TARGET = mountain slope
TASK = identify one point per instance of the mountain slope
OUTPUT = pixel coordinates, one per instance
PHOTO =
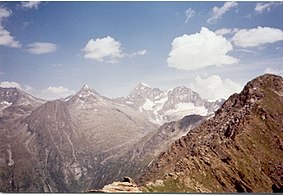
(15, 105)
(67, 145)
(239, 149)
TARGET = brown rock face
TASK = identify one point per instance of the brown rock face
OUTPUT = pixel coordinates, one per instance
(238, 150)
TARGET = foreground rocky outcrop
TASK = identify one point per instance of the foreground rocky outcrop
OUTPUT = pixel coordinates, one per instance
(127, 185)
(240, 149)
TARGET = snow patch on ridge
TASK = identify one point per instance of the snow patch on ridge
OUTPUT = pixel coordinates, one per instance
(188, 109)
(148, 105)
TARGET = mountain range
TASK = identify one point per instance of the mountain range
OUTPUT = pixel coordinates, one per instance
(70, 144)
(166, 141)
(165, 106)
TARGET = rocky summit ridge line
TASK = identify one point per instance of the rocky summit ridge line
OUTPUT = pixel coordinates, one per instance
(240, 149)
(165, 106)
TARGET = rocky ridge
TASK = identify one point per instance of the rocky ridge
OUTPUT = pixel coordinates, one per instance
(238, 150)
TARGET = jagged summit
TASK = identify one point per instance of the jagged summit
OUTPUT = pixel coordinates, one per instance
(142, 84)
(87, 91)
(87, 88)
(164, 106)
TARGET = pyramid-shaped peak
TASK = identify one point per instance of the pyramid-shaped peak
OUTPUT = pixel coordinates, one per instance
(87, 88)
(142, 85)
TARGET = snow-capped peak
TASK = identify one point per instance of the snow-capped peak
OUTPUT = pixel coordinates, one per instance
(144, 84)
(163, 106)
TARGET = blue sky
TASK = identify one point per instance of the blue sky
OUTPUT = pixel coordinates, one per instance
(50, 49)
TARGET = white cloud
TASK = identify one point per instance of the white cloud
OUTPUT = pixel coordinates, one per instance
(189, 14)
(226, 31)
(223, 31)
(214, 87)
(141, 52)
(4, 13)
(246, 50)
(30, 4)
(28, 88)
(138, 53)
(195, 51)
(257, 36)
(261, 7)
(7, 40)
(8, 84)
(277, 71)
(12, 84)
(41, 48)
(103, 49)
(107, 49)
(57, 92)
(217, 12)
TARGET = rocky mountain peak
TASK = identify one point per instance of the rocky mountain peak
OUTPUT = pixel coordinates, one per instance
(9, 95)
(17, 96)
(164, 106)
(237, 150)
(86, 97)
(87, 88)
(142, 85)
(270, 81)
(144, 91)
(87, 92)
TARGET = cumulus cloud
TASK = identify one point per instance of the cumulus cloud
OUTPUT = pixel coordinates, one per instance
(257, 36)
(107, 49)
(30, 4)
(38, 48)
(57, 92)
(261, 7)
(217, 12)
(189, 13)
(195, 51)
(6, 39)
(214, 87)
(10, 84)
(104, 49)
(277, 71)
